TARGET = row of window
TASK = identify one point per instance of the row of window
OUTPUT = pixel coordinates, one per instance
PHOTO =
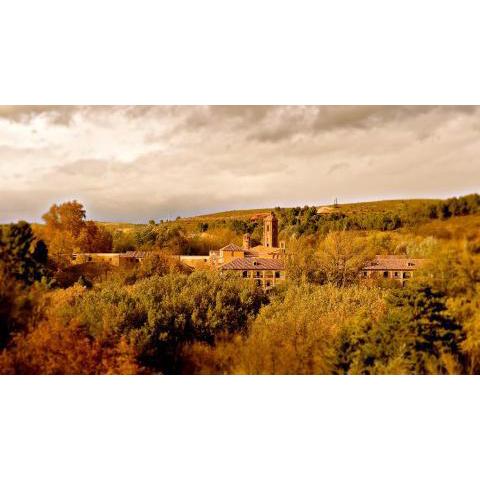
(386, 274)
(261, 274)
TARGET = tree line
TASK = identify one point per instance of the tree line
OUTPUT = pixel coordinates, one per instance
(159, 317)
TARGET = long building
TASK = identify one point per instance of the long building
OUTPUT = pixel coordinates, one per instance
(265, 272)
(397, 267)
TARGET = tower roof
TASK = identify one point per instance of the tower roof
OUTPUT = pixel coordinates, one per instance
(394, 262)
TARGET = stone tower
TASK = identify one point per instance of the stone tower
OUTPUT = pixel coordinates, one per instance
(270, 231)
(247, 241)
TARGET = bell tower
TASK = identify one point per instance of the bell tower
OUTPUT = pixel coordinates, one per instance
(247, 241)
(270, 231)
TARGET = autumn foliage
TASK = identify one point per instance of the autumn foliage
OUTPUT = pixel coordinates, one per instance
(159, 317)
(67, 231)
(53, 347)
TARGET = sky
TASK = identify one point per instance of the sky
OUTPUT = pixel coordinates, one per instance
(136, 163)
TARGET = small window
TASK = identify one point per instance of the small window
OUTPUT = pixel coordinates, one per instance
(385, 274)
(365, 274)
(245, 274)
(277, 274)
(397, 274)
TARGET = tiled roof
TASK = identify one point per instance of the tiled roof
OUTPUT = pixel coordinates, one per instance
(394, 262)
(135, 254)
(254, 264)
(231, 247)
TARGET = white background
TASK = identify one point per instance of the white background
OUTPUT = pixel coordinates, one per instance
(249, 52)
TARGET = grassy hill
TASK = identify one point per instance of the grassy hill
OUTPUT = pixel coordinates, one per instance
(384, 206)
(455, 228)
(379, 206)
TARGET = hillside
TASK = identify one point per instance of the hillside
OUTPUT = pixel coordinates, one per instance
(378, 206)
(455, 228)
(453, 218)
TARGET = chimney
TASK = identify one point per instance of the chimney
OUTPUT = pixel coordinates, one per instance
(247, 242)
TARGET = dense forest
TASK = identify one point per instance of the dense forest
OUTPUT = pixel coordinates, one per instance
(157, 317)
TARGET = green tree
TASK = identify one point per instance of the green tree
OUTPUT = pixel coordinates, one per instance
(416, 335)
(433, 336)
(159, 316)
(22, 255)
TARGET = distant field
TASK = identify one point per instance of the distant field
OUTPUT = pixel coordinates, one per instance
(229, 215)
(383, 206)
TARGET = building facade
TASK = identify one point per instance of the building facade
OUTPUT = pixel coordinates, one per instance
(114, 259)
(396, 267)
(264, 272)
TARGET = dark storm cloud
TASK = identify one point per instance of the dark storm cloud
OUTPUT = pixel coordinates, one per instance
(291, 121)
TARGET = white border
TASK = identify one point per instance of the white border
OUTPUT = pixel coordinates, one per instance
(238, 427)
(218, 52)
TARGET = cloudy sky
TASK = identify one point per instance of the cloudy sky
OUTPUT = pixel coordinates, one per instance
(137, 163)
